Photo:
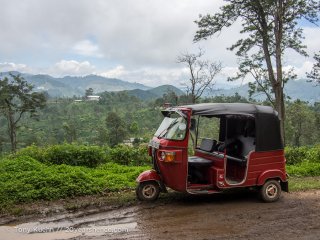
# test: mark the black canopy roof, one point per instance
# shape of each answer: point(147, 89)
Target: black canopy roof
point(267, 123)
point(214, 109)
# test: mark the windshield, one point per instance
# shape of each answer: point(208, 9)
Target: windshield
point(173, 127)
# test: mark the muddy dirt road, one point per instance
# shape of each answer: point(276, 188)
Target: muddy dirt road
point(228, 216)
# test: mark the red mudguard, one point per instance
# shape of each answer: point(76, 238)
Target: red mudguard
point(149, 175)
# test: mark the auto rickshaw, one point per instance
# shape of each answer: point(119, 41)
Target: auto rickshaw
point(210, 147)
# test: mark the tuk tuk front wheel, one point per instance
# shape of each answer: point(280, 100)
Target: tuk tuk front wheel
point(148, 191)
point(270, 191)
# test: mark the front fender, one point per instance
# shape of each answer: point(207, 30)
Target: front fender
point(271, 174)
point(149, 175)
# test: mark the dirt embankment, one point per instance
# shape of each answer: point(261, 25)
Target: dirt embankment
point(225, 216)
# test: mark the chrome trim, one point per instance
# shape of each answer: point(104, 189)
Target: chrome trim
point(154, 144)
point(245, 176)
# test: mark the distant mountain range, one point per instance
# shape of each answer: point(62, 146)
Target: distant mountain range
point(75, 86)
point(296, 89)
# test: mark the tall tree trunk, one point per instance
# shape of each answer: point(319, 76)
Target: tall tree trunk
point(278, 87)
point(12, 131)
point(279, 105)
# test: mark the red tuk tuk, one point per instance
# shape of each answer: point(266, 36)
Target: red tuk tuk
point(230, 145)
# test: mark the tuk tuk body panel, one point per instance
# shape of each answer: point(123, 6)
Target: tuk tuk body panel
point(173, 174)
point(267, 165)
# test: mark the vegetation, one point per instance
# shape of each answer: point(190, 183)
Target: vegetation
point(66, 170)
point(84, 123)
point(116, 127)
point(314, 75)
point(73, 149)
point(16, 99)
point(304, 183)
point(25, 179)
point(88, 156)
point(202, 73)
point(270, 28)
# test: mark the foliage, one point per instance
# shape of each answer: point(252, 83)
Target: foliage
point(84, 123)
point(305, 168)
point(301, 126)
point(117, 131)
point(297, 155)
point(270, 28)
point(70, 154)
point(202, 73)
point(25, 179)
point(129, 156)
point(314, 75)
point(88, 92)
point(16, 99)
point(89, 156)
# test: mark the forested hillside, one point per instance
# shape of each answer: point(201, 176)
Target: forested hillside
point(93, 122)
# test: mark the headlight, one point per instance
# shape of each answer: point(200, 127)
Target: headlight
point(168, 156)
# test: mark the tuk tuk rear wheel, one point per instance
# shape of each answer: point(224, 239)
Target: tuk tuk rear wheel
point(148, 191)
point(270, 191)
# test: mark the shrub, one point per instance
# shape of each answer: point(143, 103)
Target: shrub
point(70, 154)
point(25, 179)
point(126, 155)
point(295, 155)
point(89, 156)
point(304, 169)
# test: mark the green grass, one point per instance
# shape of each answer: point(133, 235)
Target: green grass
point(304, 183)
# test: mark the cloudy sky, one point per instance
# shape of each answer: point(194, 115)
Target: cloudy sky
point(134, 40)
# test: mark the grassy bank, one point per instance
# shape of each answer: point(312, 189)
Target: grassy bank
point(25, 179)
point(69, 171)
point(304, 183)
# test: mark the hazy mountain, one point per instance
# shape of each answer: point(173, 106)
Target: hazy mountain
point(155, 92)
point(69, 86)
point(297, 89)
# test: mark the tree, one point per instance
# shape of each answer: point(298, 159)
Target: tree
point(271, 27)
point(89, 92)
point(202, 73)
point(116, 127)
point(300, 123)
point(16, 99)
point(314, 75)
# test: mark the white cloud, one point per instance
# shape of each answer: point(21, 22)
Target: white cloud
point(148, 76)
point(87, 48)
point(9, 66)
point(301, 69)
point(71, 68)
point(117, 72)
point(142, 38)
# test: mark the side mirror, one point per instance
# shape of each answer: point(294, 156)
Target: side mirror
point(193, 124)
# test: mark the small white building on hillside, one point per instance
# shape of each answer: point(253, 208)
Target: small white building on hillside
point(93, 98)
